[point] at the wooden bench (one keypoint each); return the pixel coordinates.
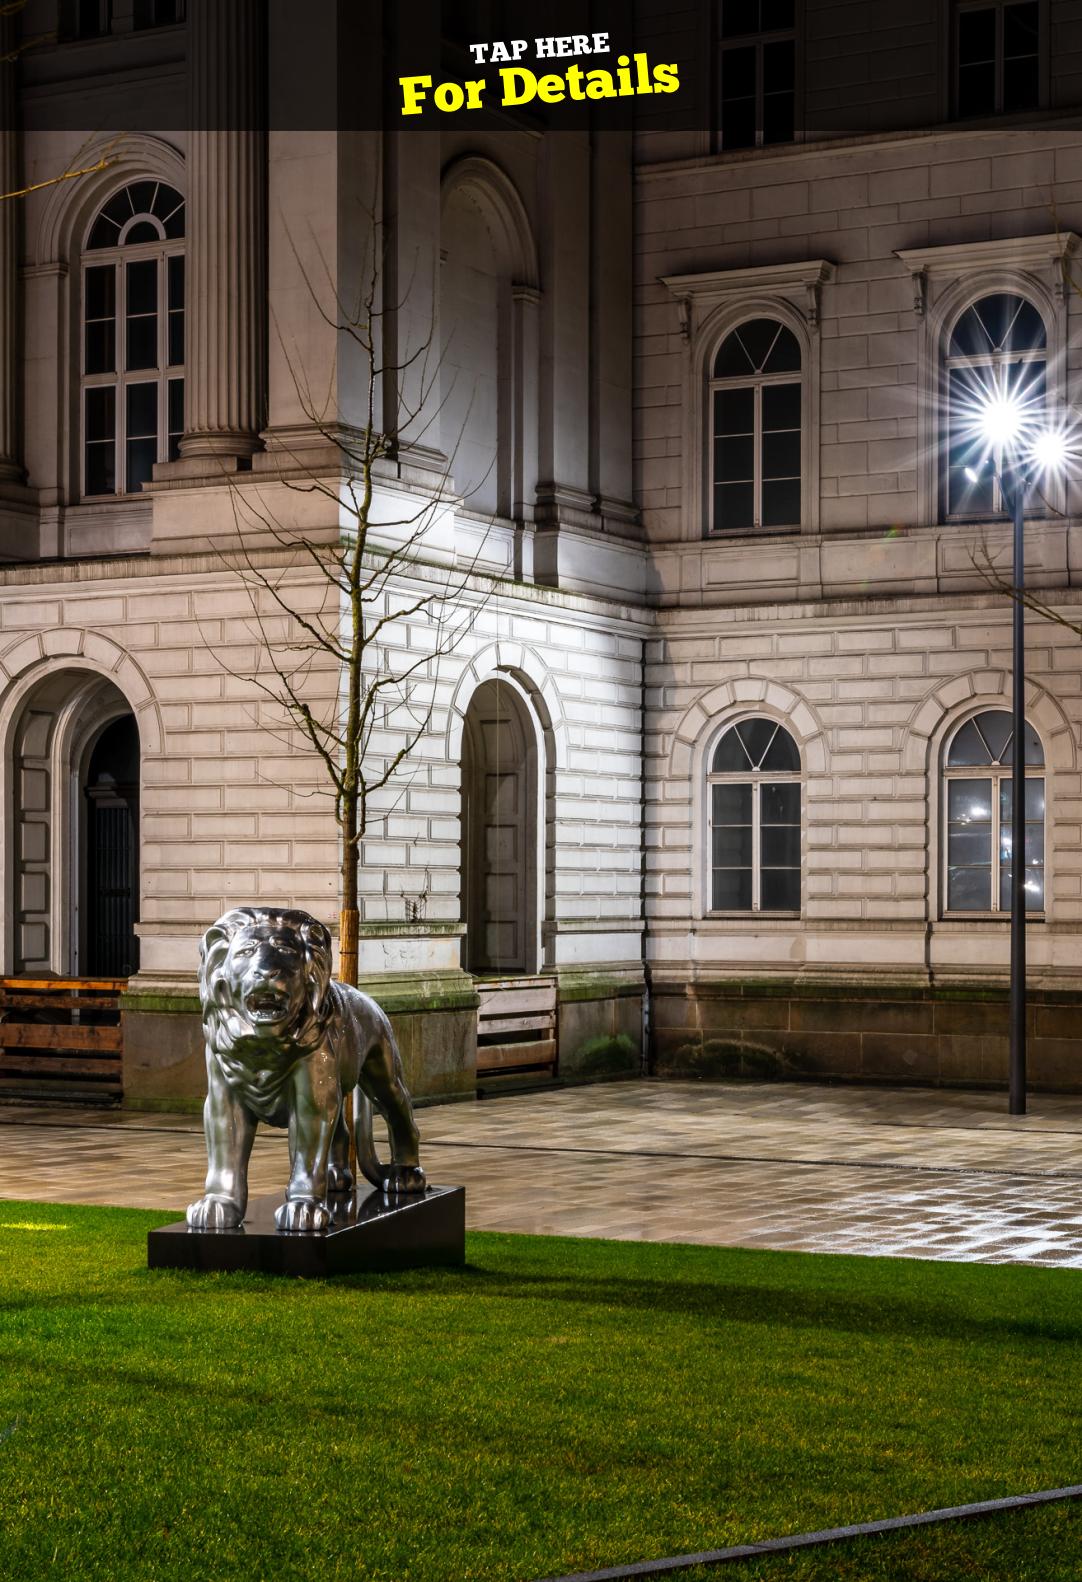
(516, 1026)
(61, 1037)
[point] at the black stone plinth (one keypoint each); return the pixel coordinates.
(369, 1232)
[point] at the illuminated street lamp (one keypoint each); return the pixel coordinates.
(1018, 452)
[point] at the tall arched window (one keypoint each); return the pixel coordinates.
(754, 790)
(133, 338)
(977, 793)
(755, 398)
(998, 350)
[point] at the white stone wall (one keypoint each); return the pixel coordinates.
(873, 632)
(233, 805)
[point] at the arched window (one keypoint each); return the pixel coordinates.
(977, 793)
(133, 338)
(754, 789)
(998, 351)
(755, 399)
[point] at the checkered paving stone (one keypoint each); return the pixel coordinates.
(895, 1172)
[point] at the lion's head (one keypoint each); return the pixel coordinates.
(264, 973)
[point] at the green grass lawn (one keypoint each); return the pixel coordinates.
(558, 1405)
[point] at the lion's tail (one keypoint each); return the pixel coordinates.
(367, 1159)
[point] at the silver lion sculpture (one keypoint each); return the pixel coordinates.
(285, 1044)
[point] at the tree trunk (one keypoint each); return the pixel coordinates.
(347, 917)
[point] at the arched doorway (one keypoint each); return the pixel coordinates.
(109, 873)
(73, 847)
(500, 833)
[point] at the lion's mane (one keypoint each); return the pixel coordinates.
(224, 1021)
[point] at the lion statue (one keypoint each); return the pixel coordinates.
(284, 1045)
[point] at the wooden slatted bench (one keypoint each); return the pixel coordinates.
(516, 1026)
(61, 1037)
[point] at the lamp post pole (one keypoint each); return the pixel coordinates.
(1017, 1081)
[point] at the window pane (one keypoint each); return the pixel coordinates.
(780, 804)
(142, 435)
(781, 503)
(731, 837)
(1021, 84)
(778, 66)
(969, 845)
(732, 846)
(1034, 843)
(739, 16)
(100, 287)
(976, 90)
(99, 342)
(732, 361)
(734, 507)
(176, 417)
(777, 14)
(781, 455)
(141, 231)
(731, 890)
(782, 757)
(731, 805)
(976, 36)
(176, 311)
(101, 414)
(142, 412)
(785, 358)
(99, 436)
(779, 890)
(734, 459)
(781, 405)
(969, 889)
(734, 411)
(737, 94)
(730, 756)
(142, 314)
(780, 845)
(758, 337)
(968, 747)
(779, 116)
(757, 736)
(969, 803)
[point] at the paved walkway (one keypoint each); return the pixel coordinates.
(897, 1172)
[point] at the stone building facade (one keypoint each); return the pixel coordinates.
(862, 618)
(178, 319)
(717, 751)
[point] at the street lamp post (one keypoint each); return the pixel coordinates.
(1016, 1102)
(1025, 452)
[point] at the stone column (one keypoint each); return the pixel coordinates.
(227, 230)
(11, 469)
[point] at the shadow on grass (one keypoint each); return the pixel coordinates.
(891, 1312)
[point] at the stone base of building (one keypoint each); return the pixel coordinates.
(599, 1015)
(794, 1030)
(434, 1018)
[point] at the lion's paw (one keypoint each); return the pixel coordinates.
(339, 1179)
(302, 1214)
(214, 1213)
(402, 1179)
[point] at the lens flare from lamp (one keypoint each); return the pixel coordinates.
(1049, 450)
(1000, 420)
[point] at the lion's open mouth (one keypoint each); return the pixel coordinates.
(267, 1005)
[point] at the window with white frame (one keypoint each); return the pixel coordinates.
(755, 403)
(978, 799)
(753, 785)
(997, 57)
(997, 352)
(133, 311)
(756, 72)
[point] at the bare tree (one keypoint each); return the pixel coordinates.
(372, 575)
